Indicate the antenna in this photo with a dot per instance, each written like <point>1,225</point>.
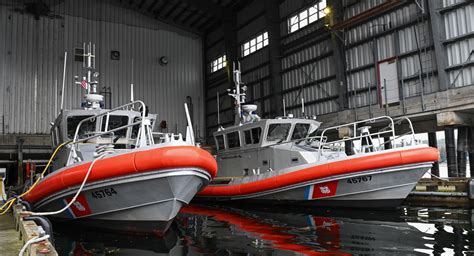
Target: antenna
<point>64,80</point>
<point>131,86</point>
<point>237,93</point>
<point>302,106</point>
<point>284,108</point>
<point>218,111</point>
<point>189,128</point>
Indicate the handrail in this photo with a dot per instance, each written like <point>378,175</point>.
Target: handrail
<point>141,122</point>
<point>389,129</point>
<point>354,124</point>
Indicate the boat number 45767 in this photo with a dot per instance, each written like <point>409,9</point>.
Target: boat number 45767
<point>103,193</point>
<point>360,179</point>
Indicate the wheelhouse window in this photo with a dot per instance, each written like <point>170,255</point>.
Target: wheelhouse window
<point>114,123</point>
<point>307,16</point>
<point>252,136</point>
<point>300,131</point>
<point>248,137</point>
<point>254,44</point>
<point>256,134</point>
<point>220,142</point>
<point>233,140</point>
<point>86,128</point>
<point>218,63</point>
<point>278,132</point>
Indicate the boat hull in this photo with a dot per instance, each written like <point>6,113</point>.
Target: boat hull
<point>152,199</point>
<point>381,188</point>
<point>382,179</point>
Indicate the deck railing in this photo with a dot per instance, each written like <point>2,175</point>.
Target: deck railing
<point>360,130</point>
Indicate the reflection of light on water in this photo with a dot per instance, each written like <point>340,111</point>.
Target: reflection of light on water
<point>425,251</point>
<point>426,228</point>
<point>448,251</point>
<point>448,229</point>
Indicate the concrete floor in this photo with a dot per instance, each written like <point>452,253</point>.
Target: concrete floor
<point>10,243</point>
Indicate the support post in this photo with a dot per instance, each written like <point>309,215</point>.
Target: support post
<point>470,149</point>
<point>338,47</point>
<point>433,142</point>
<point>462,151</point>
<point>438,35</point>
<point>19,142</point>
<point>272,17</point>
<point>451,151</point>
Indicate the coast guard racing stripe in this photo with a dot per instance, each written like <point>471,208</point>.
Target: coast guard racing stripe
<point>321,190</point>
<point>80,207</point>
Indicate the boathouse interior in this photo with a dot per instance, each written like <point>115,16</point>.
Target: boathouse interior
<point>346,60</point>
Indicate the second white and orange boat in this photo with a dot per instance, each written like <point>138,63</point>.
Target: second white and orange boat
<point>290,160</point>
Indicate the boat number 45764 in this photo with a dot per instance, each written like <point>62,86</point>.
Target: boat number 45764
<point>103,193</point>
<point>360,179</point>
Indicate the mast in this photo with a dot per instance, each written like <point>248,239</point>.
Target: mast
<point>89,82</point>
<point>238,93</point>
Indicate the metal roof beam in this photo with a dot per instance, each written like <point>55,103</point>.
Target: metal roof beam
<point>175,6</point>
<point>207,6</point>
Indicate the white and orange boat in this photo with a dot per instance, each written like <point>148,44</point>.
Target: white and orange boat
<point>290,160</point>
<point>114,169</point>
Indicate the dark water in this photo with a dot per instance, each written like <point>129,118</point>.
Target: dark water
<point>228,230</point>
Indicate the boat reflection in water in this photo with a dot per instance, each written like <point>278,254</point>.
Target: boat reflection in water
<point>228,230</point>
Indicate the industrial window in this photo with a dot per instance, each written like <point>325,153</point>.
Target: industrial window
<point>255,44</point>
<point>218,63</point>
<point>307,16</point>
<point>233,140</point>
<point>278,132</point>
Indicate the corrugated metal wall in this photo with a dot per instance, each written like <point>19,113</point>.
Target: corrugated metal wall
<point>391,35</point>
<point>31,54</point>
<point>308,64</point>
<point>459,27</point>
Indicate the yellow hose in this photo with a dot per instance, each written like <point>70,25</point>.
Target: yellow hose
<point>10,202</point>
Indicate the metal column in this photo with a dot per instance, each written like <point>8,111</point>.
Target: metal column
<point>451,151</point>
<point>272,17</point>
<point>433,142</point>
<point>438,35</point>
<point>338,44</point>
<point>470,149</point>
<point>462,151</point>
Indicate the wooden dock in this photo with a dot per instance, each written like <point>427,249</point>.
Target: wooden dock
<point>15,232</point>
<point>452,192</point>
